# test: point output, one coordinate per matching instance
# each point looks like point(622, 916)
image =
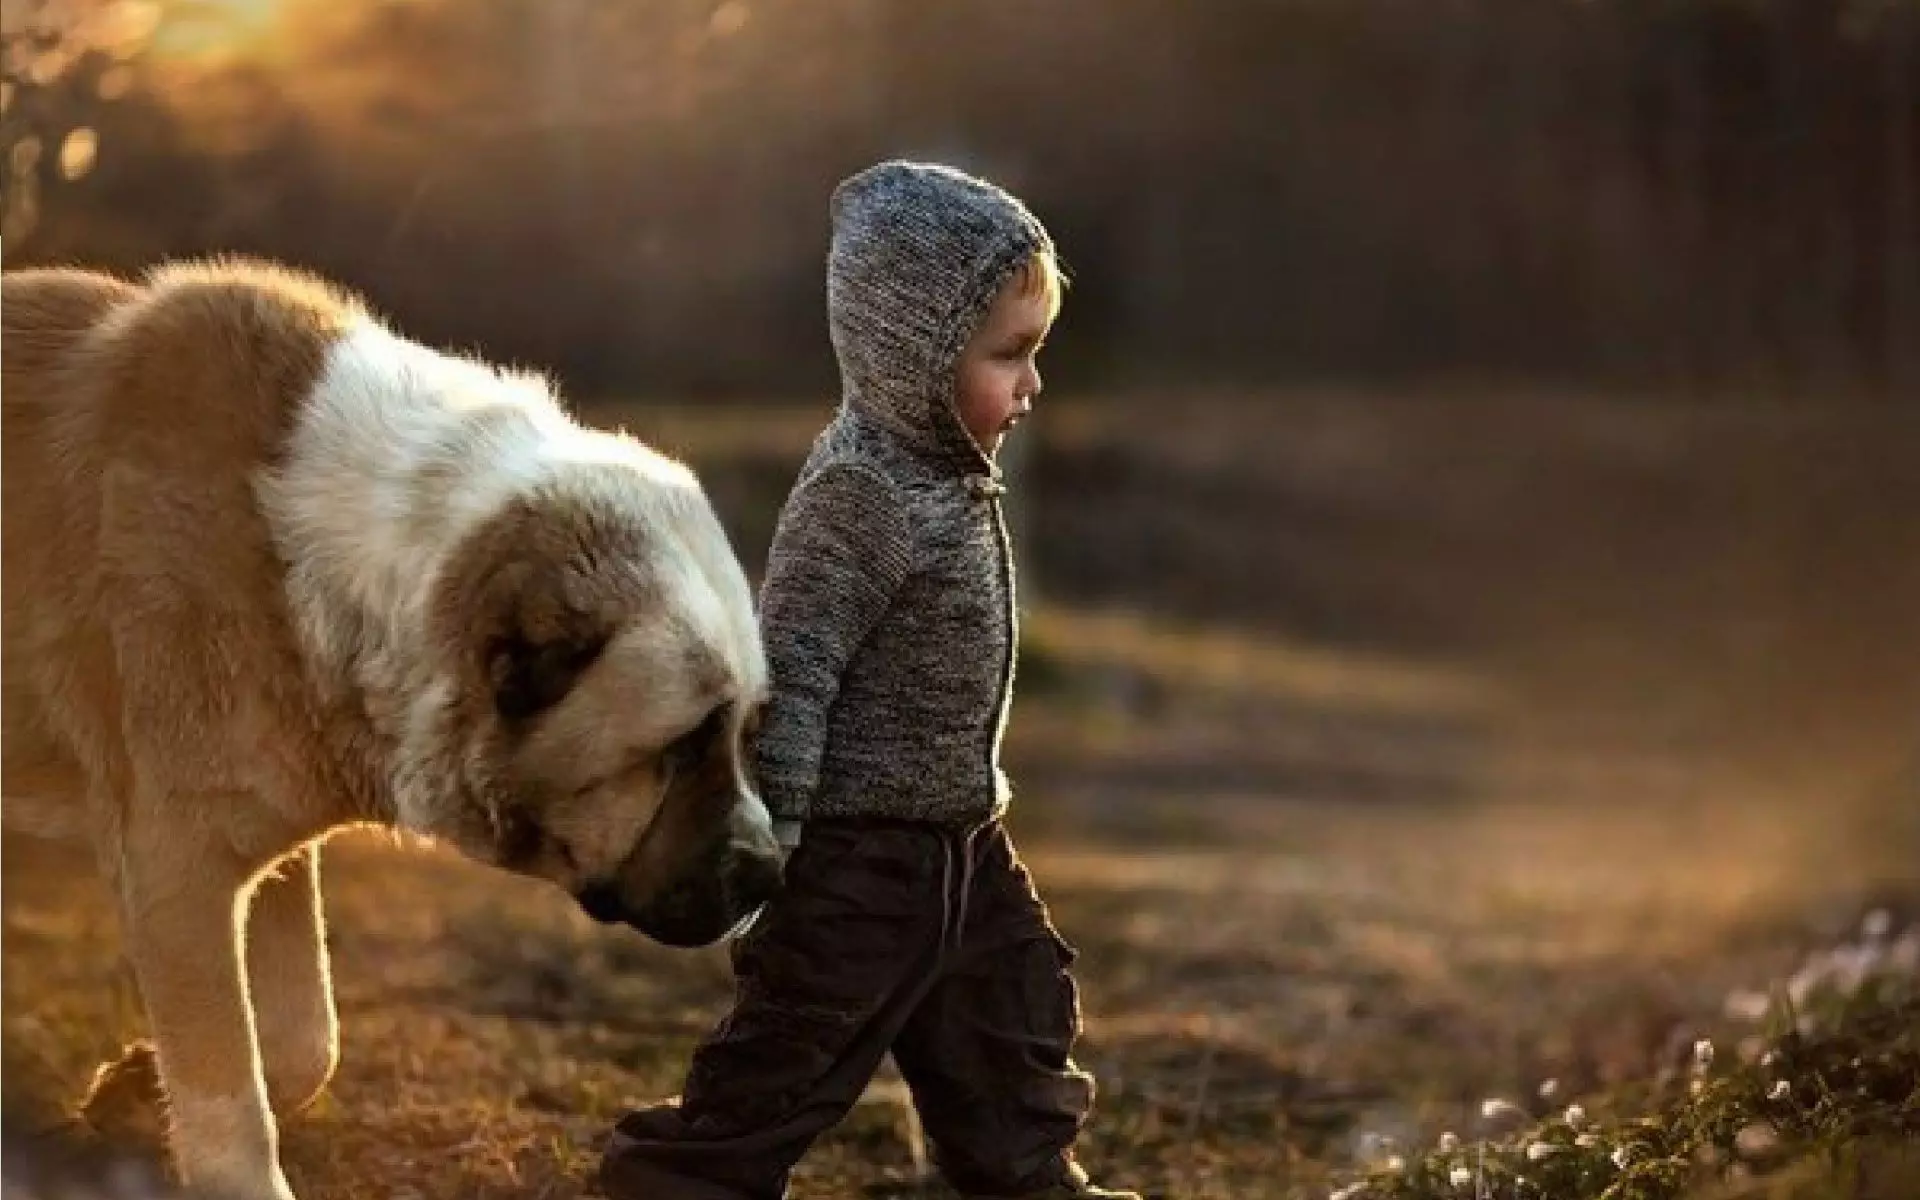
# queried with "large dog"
point(271, 570)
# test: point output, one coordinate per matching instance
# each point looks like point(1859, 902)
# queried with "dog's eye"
point(709, 730)
point(691, 747)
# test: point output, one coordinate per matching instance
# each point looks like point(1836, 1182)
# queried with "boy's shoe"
point(1076, 1186)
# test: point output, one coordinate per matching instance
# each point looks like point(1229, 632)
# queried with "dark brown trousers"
point(889, 935)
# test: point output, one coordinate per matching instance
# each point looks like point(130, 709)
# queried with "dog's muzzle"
point(716, 897)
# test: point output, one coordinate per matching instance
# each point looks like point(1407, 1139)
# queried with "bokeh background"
point(1471, 536)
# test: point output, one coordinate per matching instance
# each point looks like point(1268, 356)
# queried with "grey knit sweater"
point(888, 607)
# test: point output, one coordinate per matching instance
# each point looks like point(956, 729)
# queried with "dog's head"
point(611, 675)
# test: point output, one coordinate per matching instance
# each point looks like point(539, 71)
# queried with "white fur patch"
point(399, 453)
point(348, 508)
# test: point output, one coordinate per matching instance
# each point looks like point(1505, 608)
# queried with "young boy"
point(907, 922)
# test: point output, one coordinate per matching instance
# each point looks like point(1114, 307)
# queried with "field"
point(1342, 864)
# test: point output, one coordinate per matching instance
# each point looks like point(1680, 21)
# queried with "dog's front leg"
point(180, 894)
point(292, 992)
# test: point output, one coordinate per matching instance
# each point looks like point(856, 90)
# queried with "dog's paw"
point(126, 1102)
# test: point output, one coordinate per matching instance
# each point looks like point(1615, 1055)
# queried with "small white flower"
point(1496, 1108)
point(1852, 965)
point(1905, 954)
point(1703, 1054)
point(1549, 1088)
point(1780, 1090)
point(1587, 1141)
point(1811, 975)
point(1461, 1177)
point(1769, 1058)
point(1449, 1143)
point(1396, 1163)
point(1576, 1116)
point(1878, 924)
point(1541, 1150)
point(1621, 1156)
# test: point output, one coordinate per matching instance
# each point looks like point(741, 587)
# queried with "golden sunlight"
point(204, 29)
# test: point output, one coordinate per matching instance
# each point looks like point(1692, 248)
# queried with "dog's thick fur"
point(271, 570)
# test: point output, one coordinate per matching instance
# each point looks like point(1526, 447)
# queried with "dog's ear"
point(530, 677)
point(540, 644)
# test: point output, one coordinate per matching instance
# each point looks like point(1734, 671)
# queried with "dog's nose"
point(756, 877)
point(601, 901)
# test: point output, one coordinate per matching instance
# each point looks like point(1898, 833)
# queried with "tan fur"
point(236, 618)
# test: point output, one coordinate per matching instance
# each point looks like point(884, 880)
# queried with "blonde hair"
point(1042, 273)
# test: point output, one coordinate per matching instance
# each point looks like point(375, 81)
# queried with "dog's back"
point(45, 314)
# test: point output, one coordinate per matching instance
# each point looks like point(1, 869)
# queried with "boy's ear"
point(539, 644)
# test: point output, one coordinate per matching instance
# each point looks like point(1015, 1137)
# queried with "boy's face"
point(998, 375)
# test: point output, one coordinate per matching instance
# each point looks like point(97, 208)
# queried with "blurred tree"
point(1656, 195)
point(58, 59)
point(1899, 29)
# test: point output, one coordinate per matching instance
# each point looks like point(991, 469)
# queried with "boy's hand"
point(787, 833)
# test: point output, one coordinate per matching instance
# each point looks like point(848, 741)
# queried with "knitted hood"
point(919, 252)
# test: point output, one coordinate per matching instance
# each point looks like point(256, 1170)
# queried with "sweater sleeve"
point(843, 547)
